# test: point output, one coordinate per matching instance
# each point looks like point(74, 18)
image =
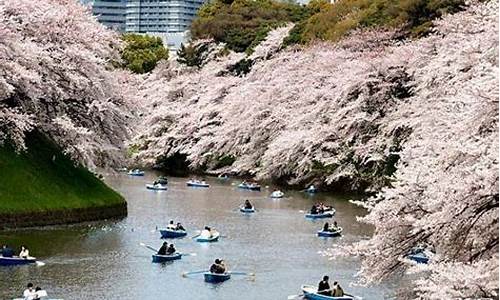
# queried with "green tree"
point(142, 52)
point(192, 55)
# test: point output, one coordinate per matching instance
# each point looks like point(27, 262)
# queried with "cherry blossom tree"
point(55, 64)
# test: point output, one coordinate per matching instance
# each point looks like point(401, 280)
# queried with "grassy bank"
point(42, 180)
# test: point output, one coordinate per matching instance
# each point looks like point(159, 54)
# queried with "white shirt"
point(205, 234)
point(25, 253)
point(29, 294)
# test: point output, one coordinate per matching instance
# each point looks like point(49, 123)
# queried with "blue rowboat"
point(16, 260)
point(337, 232)
point(251, 187)
point(171, 233)
point(156, 187)
point(216, 278)
point(419, 258)
point(311, 293)
point(326, 214)
point(202, 184)
point(213, 238)
point(164, 258)
point(247, 210)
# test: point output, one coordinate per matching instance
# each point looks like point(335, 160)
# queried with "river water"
point(103, 260)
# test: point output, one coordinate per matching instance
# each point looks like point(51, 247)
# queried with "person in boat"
point(25, 253)
point(163, 249)
point(171, 225)
point(179, 227)
point(324, 287)
point(218, 267)
point(7, 251)
point(337, 290)
point(38, 293)
point(29, 292)
point(206, 233)
point(326, 227)
point(314, 210)
point(171, 249)
point(248, 205)
point(335, 226)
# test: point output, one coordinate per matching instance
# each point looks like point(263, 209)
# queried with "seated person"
point(29, 292)
point(179, 227)
point(337, 290)
point(335, 226)
point(326, 227)
point(218, 267)
point(163, 249)
point(248, 205)
point(314, 210)
point(25, 253)
point(39, 293)
point(171, 225)
point(7, 251)
point(171, 249)
point(206, 233)
point(324, 287)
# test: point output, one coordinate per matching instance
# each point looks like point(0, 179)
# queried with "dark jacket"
point(7, 252)
point(170, 250)
point(162, 250)
point(324, 288)
point(217, 269)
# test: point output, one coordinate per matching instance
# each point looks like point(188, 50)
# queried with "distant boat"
point(216, 278)
point(419, 255)
point(247, 210)
point(136, 172)
point(326, 214)
point(311, 189)
point(337, 232)
point(277, 194)
point(213, 238)
point(311, 293)
point(171, 233)
point(157, 258)
point(156, 187)
point(249, 186)
point(16, 260)
point(197, 183)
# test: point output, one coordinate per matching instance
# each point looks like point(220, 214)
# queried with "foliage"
point(242, 24)
point(334, 21)
point(55, 76)
point(193, 55)
point(142, 52)
point(42, 178)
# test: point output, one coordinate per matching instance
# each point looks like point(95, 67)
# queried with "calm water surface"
point(104, 260)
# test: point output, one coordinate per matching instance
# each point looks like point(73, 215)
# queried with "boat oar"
point(39, 263)
point(241, 273)
point(292, 297)
point(149, 247)
point(186, 274)
point(355, 297)
point(188, 254)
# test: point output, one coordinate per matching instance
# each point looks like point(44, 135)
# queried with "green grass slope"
point(42, 179)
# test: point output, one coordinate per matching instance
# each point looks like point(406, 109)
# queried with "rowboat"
point(337, 232)
point(419, 258)
point(136, 172)
point(172, 233)
point(311, 189)
point(156, 187)
point(247, 210)
point(41, 295)
point(277, 194)
point(16, 260)
point(311, 293)
point(249, 186)
point(326, 214)
point(216, 278)
point(193, 183)
point(164, 258)
point(213, 238)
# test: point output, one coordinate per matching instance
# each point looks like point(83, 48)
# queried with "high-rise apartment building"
point(168, 19)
